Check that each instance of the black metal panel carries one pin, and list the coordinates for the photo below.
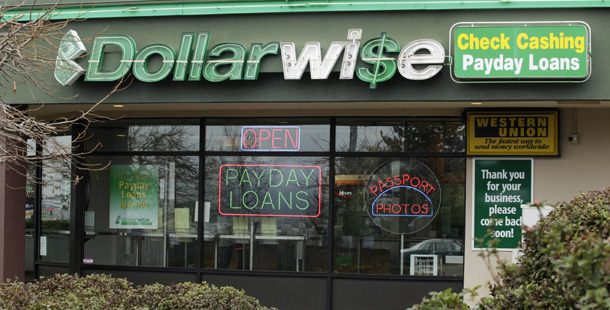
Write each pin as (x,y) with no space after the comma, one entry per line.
(366,294)
(49,271)
(294,293)
(77,218)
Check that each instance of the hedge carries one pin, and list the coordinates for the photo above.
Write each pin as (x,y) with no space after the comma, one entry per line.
(99,291)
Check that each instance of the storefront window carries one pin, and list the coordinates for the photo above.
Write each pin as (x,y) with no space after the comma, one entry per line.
(30,209)
(370,135)
(454,138)
(267,189)
(144,135)
(142,211)
(56,205)
(398,135)
(266,213)
(389,214)
(434,136)
(376,244)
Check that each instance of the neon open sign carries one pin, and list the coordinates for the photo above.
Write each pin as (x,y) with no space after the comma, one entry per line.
(270,190)
(270,138)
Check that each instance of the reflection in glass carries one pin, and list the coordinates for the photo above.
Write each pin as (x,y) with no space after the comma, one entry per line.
(370,135)
(144,135)
(55,207)
(266,223)
(454,137)
(156,200)
(396,135)
(30,208)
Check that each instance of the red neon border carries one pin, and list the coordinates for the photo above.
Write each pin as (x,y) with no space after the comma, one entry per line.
(270,215)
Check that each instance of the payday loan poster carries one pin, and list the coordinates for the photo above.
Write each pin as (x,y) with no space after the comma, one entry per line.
(134,197)
(501,186)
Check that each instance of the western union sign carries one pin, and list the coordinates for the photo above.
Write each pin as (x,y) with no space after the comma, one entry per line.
(513,133)
(532,51)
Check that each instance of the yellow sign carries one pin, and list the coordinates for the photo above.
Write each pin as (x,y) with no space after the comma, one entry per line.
(527,133)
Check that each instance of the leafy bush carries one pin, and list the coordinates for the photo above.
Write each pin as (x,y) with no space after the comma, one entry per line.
(445,300)
(565,262)
(104,292)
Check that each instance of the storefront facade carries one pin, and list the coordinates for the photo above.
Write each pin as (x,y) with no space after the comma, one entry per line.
(319,159)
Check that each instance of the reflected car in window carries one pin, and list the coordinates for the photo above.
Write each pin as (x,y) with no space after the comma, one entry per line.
(449,251)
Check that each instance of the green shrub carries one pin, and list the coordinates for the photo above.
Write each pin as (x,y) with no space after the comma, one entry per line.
(565,262)
(445,300)
(104,292)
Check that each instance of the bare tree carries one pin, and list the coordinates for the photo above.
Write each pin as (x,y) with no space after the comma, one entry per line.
(29,47)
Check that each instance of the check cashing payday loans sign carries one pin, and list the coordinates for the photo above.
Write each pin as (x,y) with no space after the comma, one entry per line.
(521,51)
(491,52)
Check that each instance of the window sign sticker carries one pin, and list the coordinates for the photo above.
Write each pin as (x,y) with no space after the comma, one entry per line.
(403,197)
(134,197)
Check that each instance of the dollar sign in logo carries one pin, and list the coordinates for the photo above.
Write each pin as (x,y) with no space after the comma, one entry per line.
(384,67)
(67,71)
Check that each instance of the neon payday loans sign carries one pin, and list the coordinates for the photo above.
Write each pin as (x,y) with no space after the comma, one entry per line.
(270,190)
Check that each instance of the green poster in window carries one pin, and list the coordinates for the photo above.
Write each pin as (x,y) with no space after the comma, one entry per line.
(500,187)
(134,197)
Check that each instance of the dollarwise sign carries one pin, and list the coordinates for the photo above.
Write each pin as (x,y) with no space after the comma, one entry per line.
(67,71)
(383,57)
(270,190)
(521,51)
